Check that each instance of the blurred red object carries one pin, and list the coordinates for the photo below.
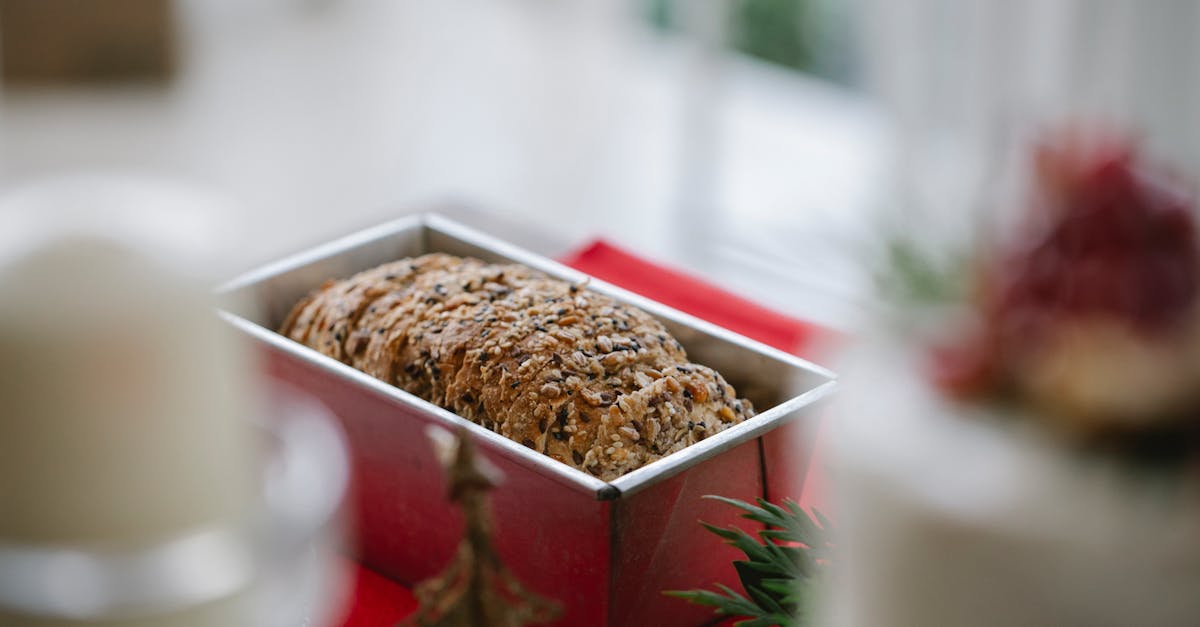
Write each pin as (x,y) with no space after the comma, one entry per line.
(377,601)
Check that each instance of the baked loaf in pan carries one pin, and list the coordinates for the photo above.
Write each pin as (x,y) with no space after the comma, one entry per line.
(570,373)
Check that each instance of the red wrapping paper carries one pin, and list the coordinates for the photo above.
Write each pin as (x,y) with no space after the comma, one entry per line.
(380,602)
(377,601)
(691,295)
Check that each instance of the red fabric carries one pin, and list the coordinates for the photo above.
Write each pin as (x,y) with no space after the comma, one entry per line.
(379,602)
(691,295)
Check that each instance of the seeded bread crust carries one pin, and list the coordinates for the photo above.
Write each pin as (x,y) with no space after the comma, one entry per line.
(573,374)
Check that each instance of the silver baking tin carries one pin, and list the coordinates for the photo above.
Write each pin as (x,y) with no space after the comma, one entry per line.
(780,385)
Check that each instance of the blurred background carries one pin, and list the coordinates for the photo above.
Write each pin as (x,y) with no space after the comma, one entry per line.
(729,137)
(752,143)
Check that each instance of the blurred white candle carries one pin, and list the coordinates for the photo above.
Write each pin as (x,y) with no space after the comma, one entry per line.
(124,407)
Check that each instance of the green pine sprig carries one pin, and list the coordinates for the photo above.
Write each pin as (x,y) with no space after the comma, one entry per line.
(782,562)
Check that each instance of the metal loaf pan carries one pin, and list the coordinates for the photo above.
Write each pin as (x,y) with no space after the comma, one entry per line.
(606,551)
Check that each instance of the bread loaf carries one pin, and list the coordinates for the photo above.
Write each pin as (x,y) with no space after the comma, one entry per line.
(570,373)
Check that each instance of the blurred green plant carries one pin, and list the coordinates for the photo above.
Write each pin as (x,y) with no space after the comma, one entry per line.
(775,30)
(778,31)
(911,275)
